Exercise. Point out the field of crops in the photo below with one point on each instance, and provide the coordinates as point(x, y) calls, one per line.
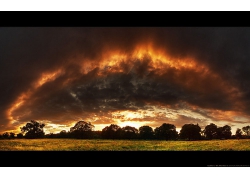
point(122, 145)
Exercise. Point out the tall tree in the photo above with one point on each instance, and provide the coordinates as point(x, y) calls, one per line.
point(210, 131)
point(12, 135)
point(19, 135)
point(166, 131)
point(190, 132)
point(146, 132)
point(82, 129)
point(63, 134)
point(33, 129)
point(111, 132)
point(129, 132)
point(224, 132)
point(6, 135)
point(238, 133)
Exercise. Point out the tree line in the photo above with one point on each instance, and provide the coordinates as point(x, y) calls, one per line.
point(85, 130)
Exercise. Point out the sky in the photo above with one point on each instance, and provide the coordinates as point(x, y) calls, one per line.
point(124, 75)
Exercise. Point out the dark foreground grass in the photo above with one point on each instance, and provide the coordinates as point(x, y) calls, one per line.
point(122, 145)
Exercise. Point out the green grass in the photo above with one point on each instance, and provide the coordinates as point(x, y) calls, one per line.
point(122, 145)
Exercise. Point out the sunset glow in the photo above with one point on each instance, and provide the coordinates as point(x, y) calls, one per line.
point(134, 80)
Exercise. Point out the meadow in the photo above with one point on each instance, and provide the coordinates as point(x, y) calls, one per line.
point(122, 145)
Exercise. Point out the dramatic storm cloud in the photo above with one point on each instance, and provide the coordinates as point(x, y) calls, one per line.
point(125, 76)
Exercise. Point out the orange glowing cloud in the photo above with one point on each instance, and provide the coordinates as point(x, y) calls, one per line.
point(25, 96)
point(185, 73)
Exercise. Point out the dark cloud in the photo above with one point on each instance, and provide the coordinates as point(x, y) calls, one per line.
point(190, 120)
point(218, 80)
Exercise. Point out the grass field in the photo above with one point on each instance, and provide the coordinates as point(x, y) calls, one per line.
point(122, 145)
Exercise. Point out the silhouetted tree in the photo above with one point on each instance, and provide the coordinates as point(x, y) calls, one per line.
point(227, 132)
point(82, 129)
point(246, 130)
point(146, 132)
point(190, 132)
point(33, 129)
point(111, 132)
point(210, 131)
point(97, 134)
point(238, 133)
point(129, 132)
point(6, 135)
point(224, 132)
point(219, 133)
point(63, 134)
point(19, 135)
point(166, 131)
point(12, 135)
point(50, 135)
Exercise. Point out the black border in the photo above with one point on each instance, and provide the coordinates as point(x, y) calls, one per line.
point(124, 159)
point(123, 18)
